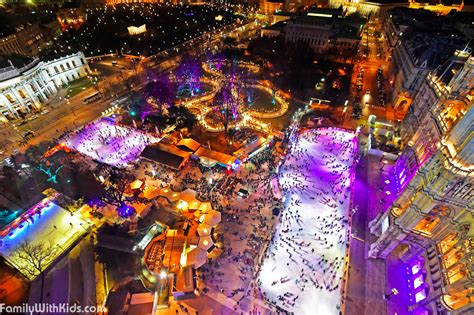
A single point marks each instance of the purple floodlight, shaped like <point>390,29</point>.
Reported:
<point>125,210</point>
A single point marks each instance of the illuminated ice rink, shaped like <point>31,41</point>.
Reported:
<point>108,143</point>
<point>313,227</point>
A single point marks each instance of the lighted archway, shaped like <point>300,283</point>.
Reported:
<point>403,103</point>
<point>448,242</point>
<point>456,300</point>
<point>431,220</point>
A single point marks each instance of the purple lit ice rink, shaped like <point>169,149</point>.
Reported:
<point>316,179</point>
<point>108,143</point>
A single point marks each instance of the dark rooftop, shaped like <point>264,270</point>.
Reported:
<point>284,13</point>
<point>431,48</point>
<point>165,154</point>
<point>449,68</point>
<point>13,23</point>
<point>16,60</point>
<point>277,26</point>
<point>431,39</point>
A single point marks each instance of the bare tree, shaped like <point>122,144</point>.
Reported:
<point>114,194</point>
<point>35,257</point>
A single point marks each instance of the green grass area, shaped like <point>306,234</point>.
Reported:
<point>78,86</point>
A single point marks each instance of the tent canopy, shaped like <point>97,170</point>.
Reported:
<point>188,195</point>
<point>204,229</point>
<point>196,257</point>
<point>194,205</point>
<point>206,242</point>
<point>210,217</point>
<point>205,206</point>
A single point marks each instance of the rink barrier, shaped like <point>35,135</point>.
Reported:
<point>345,277</point>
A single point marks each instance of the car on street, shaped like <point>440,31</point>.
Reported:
<point>33,117</point>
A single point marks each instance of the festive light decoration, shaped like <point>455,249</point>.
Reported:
<point>125,211</point>
<point>188,75</point>
<point>50,172</point>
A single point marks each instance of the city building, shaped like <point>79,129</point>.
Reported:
<point>273,30</point>
<point>439,7</point>
<point>325,29</point>
<point>430,225</point>
<point>367,8</point>
<point>418,46</point>
<point>269,7</point>
<point>281,16</point>
<point>27,84</point>
<point>296,5</point>
<point>113,2</point>
<point>380,7</point>
<point>28,38</point>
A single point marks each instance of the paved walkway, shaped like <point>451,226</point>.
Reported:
<point>367,277</point>
<point>356,291</point>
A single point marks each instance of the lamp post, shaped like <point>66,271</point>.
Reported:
<point>163,276</point>
<point>388,296</point>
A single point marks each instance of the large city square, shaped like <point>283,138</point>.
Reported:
<point>242,157</point>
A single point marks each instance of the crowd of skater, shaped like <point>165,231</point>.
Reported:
<point>307,253</point>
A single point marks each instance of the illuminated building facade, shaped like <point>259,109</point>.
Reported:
<point>325,29</point>
<point>28,39</point>
<point>269,7</point>
<point>431,222</point>
<point>367,8</point>
<point>26,84</point>
<point>439,7</point>
<point>111,2</point>
<point>379,7</point>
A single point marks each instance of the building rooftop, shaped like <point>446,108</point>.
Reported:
<point>284,13</point>
<point>430,48</point>
<point>430,39</point>
<point>314,11</point>
<point>165,154</point>
<point>188,144</point>
<point>13,23</point>
<point>277,26</point>
<point>446,71</point>
<point>348,32</point>
<point>406,16</point>
<point>17,61</point>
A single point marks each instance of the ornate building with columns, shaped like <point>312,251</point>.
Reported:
<point>432,220</point>
<point>27,84</point>
<point>380,7</point>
